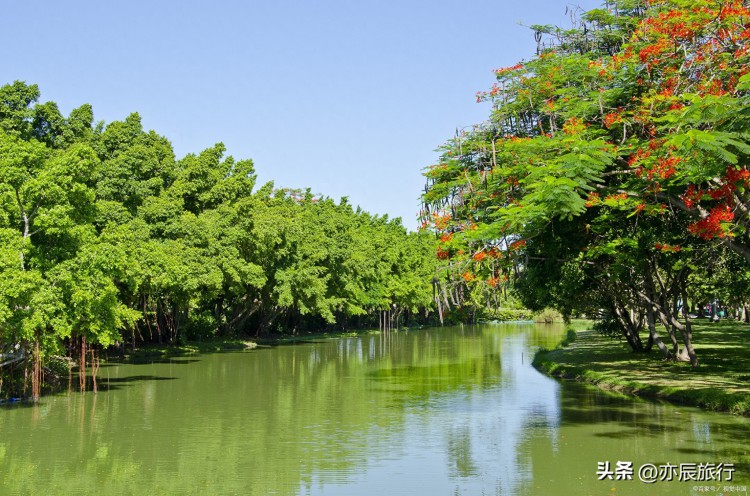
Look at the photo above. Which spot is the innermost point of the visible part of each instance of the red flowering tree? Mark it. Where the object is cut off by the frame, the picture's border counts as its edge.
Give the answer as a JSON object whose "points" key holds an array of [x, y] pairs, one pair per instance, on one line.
{"points": [[637, 116]]}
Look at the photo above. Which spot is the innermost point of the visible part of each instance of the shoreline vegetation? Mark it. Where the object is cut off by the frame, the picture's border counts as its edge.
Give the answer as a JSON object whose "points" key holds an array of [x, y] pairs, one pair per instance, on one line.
{"points": [[218, 345], [109, 241], [57, 374], [720, 384]]}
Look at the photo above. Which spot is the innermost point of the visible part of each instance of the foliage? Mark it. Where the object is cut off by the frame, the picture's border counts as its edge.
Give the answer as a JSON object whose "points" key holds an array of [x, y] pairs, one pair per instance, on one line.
{"points": [[548, 316], [613, 167], [106, 237], [509, 314]]}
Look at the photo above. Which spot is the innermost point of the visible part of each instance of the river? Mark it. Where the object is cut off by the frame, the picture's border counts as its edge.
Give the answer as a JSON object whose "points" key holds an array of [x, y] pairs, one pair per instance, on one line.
{"points": [[448, 411]]}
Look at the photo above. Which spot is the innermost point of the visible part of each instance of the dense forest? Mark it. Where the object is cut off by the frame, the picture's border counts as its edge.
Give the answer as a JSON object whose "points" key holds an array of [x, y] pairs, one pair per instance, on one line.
{"points": [[106, 238], [611, 178]]}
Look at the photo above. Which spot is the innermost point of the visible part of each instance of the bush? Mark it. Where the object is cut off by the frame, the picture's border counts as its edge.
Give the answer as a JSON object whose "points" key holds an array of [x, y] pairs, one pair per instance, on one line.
{"points": [[569, 338], [199, 327], [509, 314], [548, 316]]}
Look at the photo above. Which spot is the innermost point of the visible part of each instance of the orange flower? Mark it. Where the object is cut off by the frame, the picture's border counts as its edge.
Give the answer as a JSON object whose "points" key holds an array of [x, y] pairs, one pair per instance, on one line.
{"points": [[611, 118], [592, 200], [479, 256]]}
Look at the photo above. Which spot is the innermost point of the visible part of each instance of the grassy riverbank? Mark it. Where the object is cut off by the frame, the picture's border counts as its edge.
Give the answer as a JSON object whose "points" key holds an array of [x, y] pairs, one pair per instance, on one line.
{"points": [[721, 383]]}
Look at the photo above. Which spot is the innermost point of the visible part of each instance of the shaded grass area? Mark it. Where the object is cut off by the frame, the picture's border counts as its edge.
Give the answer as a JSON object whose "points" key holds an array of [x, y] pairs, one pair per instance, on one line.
{"points": [[721, 383]]}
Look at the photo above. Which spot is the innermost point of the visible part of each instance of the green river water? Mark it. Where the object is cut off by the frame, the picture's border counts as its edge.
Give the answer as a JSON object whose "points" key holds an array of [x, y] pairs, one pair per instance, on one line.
{"points": [[430, 412]]}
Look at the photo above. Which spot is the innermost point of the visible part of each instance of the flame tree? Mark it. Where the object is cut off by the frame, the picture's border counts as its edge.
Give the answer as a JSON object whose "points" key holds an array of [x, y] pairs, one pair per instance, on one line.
{"points": [[612, 168]]}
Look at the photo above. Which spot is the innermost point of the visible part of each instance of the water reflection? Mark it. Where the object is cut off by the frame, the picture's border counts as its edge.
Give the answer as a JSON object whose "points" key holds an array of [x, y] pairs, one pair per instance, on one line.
{"points": [[437, 411]]}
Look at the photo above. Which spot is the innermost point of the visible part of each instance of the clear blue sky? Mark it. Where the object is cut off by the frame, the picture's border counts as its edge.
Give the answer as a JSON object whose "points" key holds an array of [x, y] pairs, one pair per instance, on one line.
{"points": [[349, 98]]}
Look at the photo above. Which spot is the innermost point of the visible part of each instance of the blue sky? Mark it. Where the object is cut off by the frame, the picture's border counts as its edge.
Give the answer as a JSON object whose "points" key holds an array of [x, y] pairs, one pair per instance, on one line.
{"points": [[348, 98]]}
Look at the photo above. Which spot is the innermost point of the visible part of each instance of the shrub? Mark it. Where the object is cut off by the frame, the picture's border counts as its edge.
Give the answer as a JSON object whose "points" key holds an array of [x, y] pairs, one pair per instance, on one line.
{"points": [[509, 314], [548, 316]]}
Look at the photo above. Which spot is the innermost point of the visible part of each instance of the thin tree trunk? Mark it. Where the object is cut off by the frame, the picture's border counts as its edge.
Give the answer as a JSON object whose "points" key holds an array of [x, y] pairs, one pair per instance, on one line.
{"points": [[94, 368], [82, 366], [36, 377], [687, 333]]}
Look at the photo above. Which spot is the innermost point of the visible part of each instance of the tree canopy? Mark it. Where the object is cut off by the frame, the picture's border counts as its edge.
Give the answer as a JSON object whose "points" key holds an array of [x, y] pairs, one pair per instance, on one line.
{"points": [[612, 170], [107, 237]]}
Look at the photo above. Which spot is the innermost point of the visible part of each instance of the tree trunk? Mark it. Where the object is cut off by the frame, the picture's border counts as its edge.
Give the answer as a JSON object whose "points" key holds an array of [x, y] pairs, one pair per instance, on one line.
{"points": [[628, 328], [36, 376], [94, 368], [82, 366], [653, 335], [265, 325], [687, 333]]}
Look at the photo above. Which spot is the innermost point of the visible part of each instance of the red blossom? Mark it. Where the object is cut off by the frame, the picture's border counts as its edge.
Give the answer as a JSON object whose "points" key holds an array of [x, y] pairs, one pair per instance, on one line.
{"points": [[505, 70], [638, 156], [574, 126], [664, 247], [664, 168], [617, 197], [711, 226], [691, 195], [517, 245], [737, 175], [592, 200], [611, 118]]}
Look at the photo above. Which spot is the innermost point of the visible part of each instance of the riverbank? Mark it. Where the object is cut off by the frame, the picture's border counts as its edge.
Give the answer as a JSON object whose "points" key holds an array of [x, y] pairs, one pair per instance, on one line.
{"points": [[151, 351], [721, 383], [58, 378]]}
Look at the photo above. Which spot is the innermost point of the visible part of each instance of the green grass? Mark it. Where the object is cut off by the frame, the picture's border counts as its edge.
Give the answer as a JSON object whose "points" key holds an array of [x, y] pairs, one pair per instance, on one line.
{"points": [[721, 383]]}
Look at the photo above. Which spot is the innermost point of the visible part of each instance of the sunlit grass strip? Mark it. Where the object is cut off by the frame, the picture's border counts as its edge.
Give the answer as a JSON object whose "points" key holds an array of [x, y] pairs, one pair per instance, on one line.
{"points": [[721, 383]]}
